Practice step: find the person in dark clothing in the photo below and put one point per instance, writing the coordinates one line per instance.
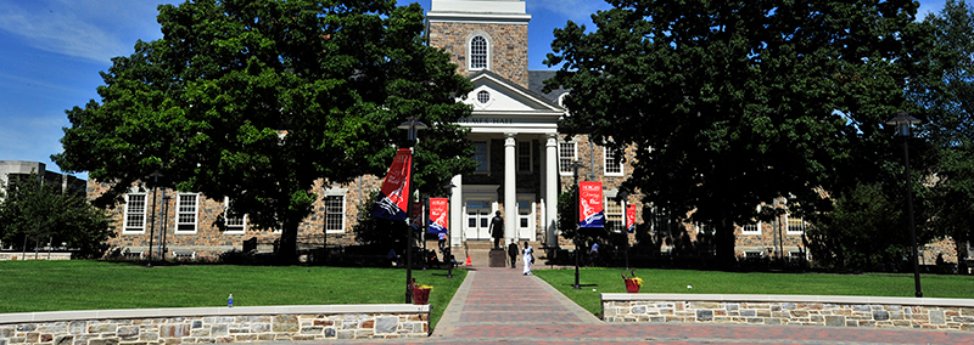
(512, 251)
(497, 229)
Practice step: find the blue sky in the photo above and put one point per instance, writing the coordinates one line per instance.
(52, 50)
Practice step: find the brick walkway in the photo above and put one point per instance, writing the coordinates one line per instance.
(500, 306)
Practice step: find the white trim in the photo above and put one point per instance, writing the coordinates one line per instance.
(752, 233)
(50, 316)
(487, 42)
(125, 214)
(574, 157)
(196, 218)
(605, 163)
(518, 91)
(226, 211)
(926, 301)
(517, 157)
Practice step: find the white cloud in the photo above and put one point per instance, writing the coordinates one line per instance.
(91, 30)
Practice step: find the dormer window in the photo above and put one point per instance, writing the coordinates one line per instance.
(478, 53)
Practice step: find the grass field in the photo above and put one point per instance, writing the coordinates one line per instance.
(608, 280)
(80, 285)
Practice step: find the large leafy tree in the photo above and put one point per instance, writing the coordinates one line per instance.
(945, 93)
(737, 102)
(256, 100)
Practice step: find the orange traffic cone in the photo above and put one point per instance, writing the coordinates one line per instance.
(468, 261)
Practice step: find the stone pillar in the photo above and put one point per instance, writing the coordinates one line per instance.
(456, 212)
(551, 191)
(510, 190)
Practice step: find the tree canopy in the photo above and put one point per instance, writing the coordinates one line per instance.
(256, 100)
(734, 103)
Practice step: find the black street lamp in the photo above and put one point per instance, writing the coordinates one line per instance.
(904, 123)
(623, 197)
(152, 222)
(411, 126)
(578, 228)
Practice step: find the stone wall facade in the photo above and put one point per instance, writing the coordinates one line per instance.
(507, 44)
(821, 311)
(215, 325)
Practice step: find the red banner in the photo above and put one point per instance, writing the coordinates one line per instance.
(631, 218)
(591, 210)
(439, 215)
(394, 196)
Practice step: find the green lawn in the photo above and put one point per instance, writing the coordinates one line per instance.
(608, 280)
(78, 285)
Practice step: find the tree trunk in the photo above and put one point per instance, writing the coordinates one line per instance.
(724, 238)
(962, 254)
(287, 249)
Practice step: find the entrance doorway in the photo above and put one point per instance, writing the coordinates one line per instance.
(477, 214)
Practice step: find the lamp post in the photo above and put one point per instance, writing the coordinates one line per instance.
(904, 123)
(411, 126)
(623, 198)
(152, 222)
(578, 229)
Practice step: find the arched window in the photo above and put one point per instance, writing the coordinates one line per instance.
(478, 53)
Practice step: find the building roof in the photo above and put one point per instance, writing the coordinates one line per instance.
(536, 81)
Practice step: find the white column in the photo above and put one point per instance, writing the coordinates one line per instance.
(510, 195)
(456, 212)
(551, 191)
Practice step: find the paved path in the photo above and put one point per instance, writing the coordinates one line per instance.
(501, 306)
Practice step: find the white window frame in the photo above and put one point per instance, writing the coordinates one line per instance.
(621, 214)
(125, 215)
(196, 216)
(487, 45)
(606, 161)
(758, 253)
(530, 156)
(226, 218)
(324, 205)
(571, 159)
(788, 231)
(486, 157)
(757, 226)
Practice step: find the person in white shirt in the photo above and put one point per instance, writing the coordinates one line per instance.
(528, 258)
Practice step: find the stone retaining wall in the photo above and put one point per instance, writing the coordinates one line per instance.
(831, 311)
(215, 325)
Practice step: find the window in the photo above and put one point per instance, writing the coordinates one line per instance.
(234, 222)
(134, 213)
(186, 212)
(483, 97)
(796, 226)
(524, 214)
(613, 216)
(753, 255)
(480, 155)
(796, 255)
(613, 167)
(524, 161)
(478, 53)
(335, 213)
(752, 229)
(567, 154)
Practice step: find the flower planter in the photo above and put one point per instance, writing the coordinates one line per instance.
(632, 286)
(421, 296)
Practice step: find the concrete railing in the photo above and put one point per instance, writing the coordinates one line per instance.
(832, 311)
(215, 325)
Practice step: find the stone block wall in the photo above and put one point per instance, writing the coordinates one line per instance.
(821, 311)
(507, 44)
(215, 325)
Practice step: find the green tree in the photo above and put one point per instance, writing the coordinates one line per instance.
(256, 100)
(737, 102)
(34, 212)
(945, 93)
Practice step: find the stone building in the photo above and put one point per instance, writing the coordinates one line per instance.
(523, 162)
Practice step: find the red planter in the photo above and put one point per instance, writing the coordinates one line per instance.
(632, 286)
(421, 296)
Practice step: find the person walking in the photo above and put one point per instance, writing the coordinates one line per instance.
(512, 251)
(528, 258)
(497, 229)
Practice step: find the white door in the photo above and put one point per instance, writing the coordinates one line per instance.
(526, 219)
(477, 219)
